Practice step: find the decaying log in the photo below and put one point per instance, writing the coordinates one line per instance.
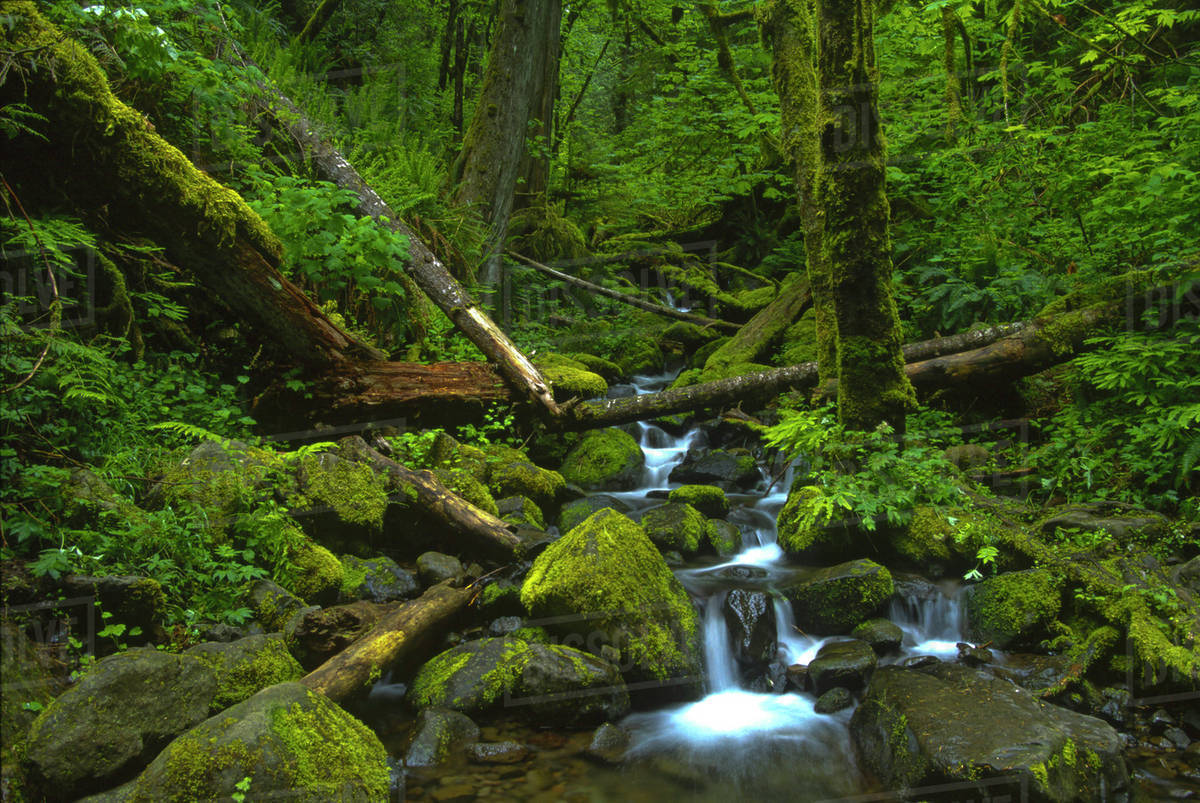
(402, 634)
(633, 301)
(440, 502)
(764, 329)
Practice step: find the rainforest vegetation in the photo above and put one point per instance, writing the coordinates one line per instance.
(290, 287)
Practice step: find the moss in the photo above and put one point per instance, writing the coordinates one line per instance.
(570, 378)
(449, 453)
(465, 485)
(603, 459)
(354, 574)
(1014, 606)
(429, 687)
(708, 499)
(724, 538)
(638, 354)
(799, 342)
(523, 478)
(352, 490)
(333, 751)
(534, 635)
(797, 532)
(688, 335)
(526, 513)
(704, 352)
(607, 569)
(925, 541)
(238, 680)
(675, 526)
(607, 369)
(315, 571)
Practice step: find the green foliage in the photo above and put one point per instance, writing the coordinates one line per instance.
(869, 475)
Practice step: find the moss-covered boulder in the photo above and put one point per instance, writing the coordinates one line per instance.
(314, 573)
(107, 727)
(883, 635)
(724, 538)
(246, 666)
(343, 499)
(573, 513)
(926, 541)
(570, 379)
(273, 605)
(605, 460)
(951, 723)
(446, 452)
(675, 526)
(836, 599)
(438, 734)
(463, 483)
(511, 473)
(548, 684)
(378, 579)
(639, 354)
(608, 369)
(614, 587)
(848, 664)
(521, 510)
(805, 535)
(708, 499)
(501, 598)
(131, 600)
(728, 470)
(1014, 607)
(30, 683)
(688, 336)
(284, 742)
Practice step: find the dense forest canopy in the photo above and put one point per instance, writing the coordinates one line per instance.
(945, 253)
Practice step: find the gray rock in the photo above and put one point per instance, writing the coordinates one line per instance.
(317, 634)
(290, 742)
(498, 752)
(883, 635)
(750, 618)
(843, 663)
(726, 470)
(108, 726)
(505, 625)
(836, 699)
(608, 744)
(383, 580)
(951, 723)
(246, 666)
(1093, 517)
(836, 599)
(438, 734)
(577, 511)
(273, 604)
(435, 567)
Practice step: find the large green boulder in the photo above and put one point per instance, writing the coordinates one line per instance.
(246, 666)
(512, 473)
(615, 591)
(550, 684)
(605, 460)
(675, 526)
(835, 599)
(803, 533)
(573, 513)
(708, 499)
(1014, 607)
(570, 378)
(948, 723)
(108, 726)
(286, 742)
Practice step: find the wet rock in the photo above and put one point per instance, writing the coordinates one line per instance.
(549, 684)
(1177, 737)
(726, 470)
(836, 699)
(843, 663)
(435, 567)
(605, 460)
(614, 587)
(741, 573)
(1116, 705)
(439, 732)
(920, 661)
(505, 625)
(108, 726)
(574, 513)
(246, 666)
(273, 604)
(723, 537)
(835, 600)
(883, 635)
(708, 499)
(317, 634)
(376, 580)
(1014, 607)
(521, 510)
(498, 752)
(797, 677)
(673, 558)
(750, 619)
(501, 598)
(949, 722)
(132, 600)
(608, 744)
(1121, 527)
(674, 526)
(972, 655)
(1034, 672)
(290, 742)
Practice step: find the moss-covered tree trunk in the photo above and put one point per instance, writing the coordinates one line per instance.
(872, 387)
(526, 41)
(792, 28)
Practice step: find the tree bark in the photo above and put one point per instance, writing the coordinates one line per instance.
(319, 19)
(871, 383)
(633, 301)
(403, 634)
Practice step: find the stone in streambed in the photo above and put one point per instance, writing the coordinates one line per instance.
(843, 663)
(438, 733)
(498, 752)
(883, 635)
(608, 744)
(836, 699)
(836, 599)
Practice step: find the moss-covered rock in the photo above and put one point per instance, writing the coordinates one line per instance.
(315, 634)
(732, 469)
(926, 541)
(314, 573)
(805, 535)
(639, 354)
(108, 726)
(605, 460)
(723, 537)
(511, 473)
(675, 526)
(463, 483)
(708, 499)
(378, 579)
(609, 579)
(246, 666)
(836, 599)
(799, 342)
(501, 598)
(446, 452)
(30, 684)
(607, 369)
(521, 510)
(130, 599)
(570, 379)
(350, 489)
(438, 734)
(848, 664)
(1014, 607)
(701, 356)
(285, 741)
(688, 336)
(550, 684)
(883, 635)
(273, 605)
(573, 513)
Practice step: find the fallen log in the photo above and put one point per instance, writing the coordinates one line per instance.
(399, 636)
(633, 301)
(766, 327)
(435, 499)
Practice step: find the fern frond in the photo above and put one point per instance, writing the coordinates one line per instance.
(191, 431)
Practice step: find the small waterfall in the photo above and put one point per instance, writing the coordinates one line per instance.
(719, 664)
(933, 621)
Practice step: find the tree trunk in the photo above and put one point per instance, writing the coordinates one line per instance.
(495, 142)
(871, 383)
(404, 634)
(319, 19)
